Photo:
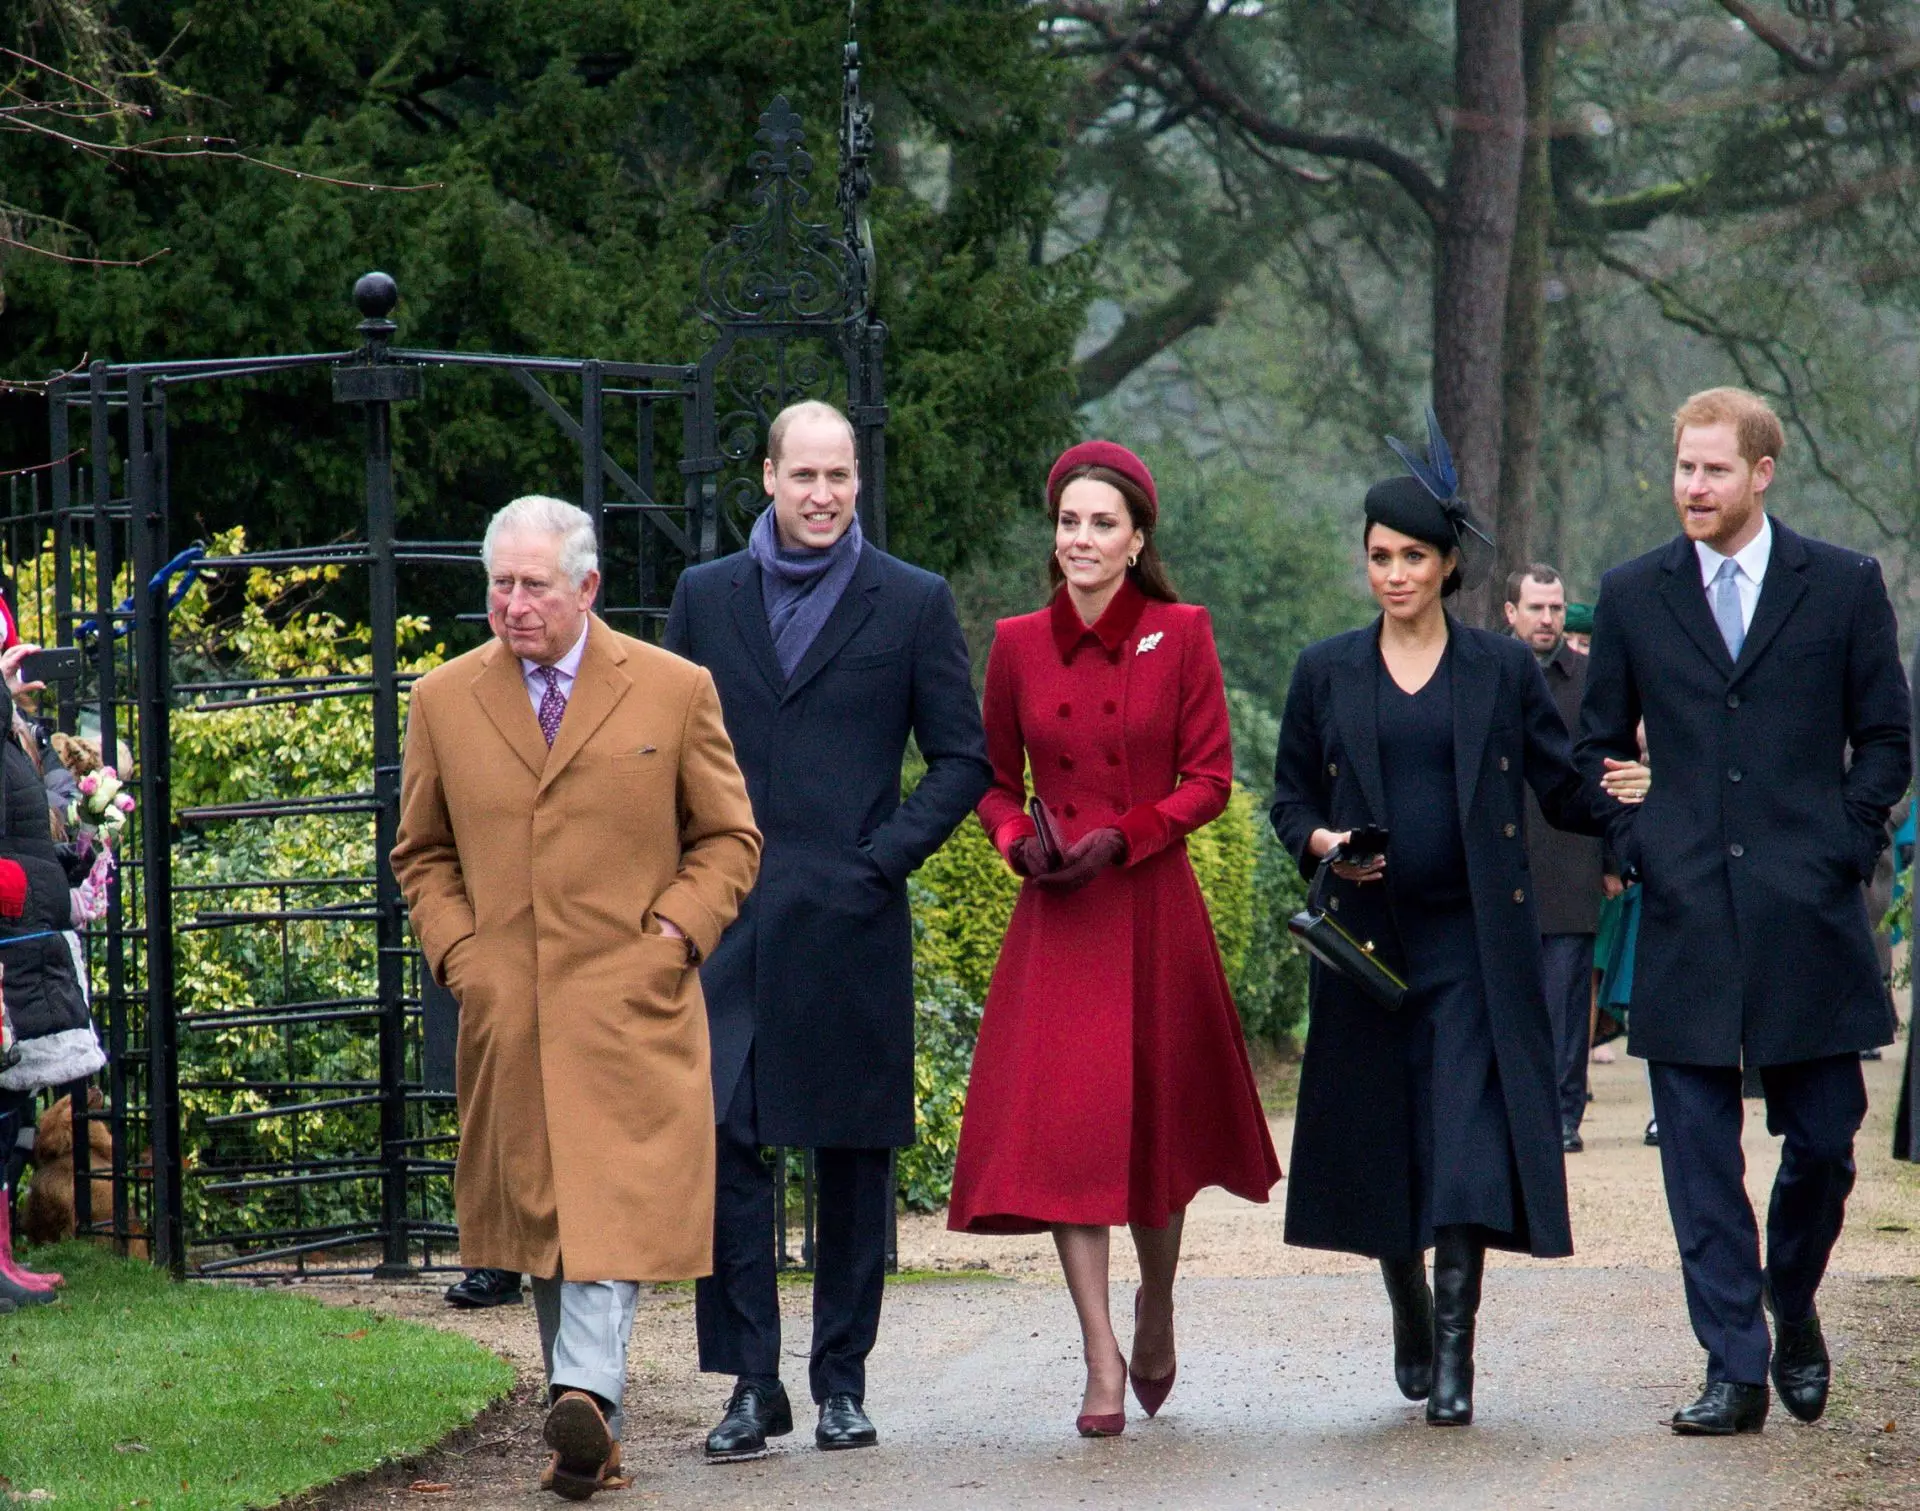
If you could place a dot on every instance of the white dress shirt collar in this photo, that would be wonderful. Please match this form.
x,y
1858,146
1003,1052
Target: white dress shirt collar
x,y
1752,559
568,666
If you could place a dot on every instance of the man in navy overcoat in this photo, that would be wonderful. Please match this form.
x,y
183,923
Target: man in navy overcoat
x,y
828,654
1766,668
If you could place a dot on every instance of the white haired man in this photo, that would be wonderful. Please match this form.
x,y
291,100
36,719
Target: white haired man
x,y
574,837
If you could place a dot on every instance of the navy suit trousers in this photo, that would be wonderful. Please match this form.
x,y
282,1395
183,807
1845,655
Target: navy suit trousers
x,y
1815,1107
1566,962
737,1307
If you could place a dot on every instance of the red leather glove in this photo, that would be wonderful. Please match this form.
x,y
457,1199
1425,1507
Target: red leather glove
x,y
1086,858
13,889
1028,856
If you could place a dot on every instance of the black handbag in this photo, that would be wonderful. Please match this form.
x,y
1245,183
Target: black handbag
x,y
1047,832
1322,937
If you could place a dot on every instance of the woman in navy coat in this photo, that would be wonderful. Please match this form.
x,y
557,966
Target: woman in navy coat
x,y
1435,1125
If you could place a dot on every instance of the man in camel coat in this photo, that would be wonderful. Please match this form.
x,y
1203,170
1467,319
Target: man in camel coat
x,y
574,838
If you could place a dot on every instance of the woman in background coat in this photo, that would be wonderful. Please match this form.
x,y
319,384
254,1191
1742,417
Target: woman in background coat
x,y
1436,1125
1110,1083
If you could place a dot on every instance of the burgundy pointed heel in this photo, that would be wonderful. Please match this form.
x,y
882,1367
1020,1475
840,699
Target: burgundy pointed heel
x,y
1103,1424
1151,1394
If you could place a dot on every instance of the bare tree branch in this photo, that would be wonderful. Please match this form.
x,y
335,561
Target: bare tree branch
x,y
1771,374
1181,72
1143,335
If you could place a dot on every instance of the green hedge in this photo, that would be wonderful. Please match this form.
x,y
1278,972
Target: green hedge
x,y
962,899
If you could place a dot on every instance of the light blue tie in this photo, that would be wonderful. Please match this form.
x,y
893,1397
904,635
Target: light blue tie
x,y
1726,606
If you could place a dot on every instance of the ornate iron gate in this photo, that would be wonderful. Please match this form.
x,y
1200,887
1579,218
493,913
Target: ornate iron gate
x,y
331,1153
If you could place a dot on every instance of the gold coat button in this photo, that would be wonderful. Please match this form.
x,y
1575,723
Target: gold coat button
x,y
1519,895
1333,769
1509,831
1334,904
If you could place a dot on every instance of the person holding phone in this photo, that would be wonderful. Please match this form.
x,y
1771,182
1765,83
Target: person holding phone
x,y
1437,1124
1110,1082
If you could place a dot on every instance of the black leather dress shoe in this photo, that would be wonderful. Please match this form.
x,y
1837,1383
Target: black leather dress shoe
x,y
844,1425
1723,1409
1801,1369
1571,1142
754,1414
485,1288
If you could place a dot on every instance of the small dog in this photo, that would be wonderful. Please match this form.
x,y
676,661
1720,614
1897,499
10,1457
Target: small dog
x,y
46,1211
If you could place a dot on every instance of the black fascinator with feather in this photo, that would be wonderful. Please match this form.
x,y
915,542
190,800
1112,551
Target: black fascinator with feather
x,y
1427,505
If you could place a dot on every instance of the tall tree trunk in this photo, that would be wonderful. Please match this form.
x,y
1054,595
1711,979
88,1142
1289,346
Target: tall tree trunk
x,y
1524,380
1476,245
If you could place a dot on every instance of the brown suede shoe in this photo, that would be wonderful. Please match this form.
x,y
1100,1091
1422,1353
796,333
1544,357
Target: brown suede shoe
x,y
585,1455
610,1477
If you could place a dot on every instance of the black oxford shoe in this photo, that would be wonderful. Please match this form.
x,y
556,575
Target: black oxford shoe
x,y
1571,1142
1801,1369
1723,1409
754,1414
485,1288
843,1425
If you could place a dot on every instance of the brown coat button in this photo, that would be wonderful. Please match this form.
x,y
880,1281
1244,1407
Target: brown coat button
x,y
1509,831
1519,895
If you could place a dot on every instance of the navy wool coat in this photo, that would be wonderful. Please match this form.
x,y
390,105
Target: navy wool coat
x,y
815,978
1758,835
1351,1179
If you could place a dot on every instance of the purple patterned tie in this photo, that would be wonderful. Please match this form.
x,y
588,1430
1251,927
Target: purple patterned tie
x,y
553,703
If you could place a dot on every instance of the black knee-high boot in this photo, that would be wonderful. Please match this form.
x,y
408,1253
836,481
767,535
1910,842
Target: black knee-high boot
x,y
1412,1324
1459,1257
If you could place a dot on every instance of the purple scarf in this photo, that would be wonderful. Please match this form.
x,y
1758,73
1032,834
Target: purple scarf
x,y
800,588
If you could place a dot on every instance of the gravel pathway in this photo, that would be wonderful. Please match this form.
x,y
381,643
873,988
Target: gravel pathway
x,y
1285,1396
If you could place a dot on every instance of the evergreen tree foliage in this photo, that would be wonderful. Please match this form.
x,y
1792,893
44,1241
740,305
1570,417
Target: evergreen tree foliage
x,y
585,155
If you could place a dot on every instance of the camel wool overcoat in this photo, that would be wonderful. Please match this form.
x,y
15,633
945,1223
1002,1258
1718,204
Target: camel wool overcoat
x,y
537,879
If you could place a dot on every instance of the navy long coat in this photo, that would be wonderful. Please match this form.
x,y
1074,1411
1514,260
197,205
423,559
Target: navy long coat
x,y
1757,837
816,975
1350,1182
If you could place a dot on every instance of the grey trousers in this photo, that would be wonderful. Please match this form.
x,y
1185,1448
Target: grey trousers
x,y
584,1327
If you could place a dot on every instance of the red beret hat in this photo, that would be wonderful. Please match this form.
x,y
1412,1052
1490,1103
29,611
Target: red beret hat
x,y
1115,458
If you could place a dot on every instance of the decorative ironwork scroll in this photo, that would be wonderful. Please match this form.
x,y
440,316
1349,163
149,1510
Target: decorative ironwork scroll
x,y
780,267
789,304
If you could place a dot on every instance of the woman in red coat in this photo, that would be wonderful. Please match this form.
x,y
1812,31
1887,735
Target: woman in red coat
x,y
1110,1083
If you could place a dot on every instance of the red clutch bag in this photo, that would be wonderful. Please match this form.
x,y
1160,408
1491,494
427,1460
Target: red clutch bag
x,y
1048,833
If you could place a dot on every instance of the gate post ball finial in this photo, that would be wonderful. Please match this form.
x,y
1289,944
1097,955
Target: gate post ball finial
x,y
375,295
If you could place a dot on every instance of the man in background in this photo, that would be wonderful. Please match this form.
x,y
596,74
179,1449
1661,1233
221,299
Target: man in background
x,y
1568,869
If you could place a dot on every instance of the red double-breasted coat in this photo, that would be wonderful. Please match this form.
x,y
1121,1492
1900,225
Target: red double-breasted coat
x,y
1110,1082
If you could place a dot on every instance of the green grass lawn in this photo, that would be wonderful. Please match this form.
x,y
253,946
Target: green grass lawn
x,y
133,1391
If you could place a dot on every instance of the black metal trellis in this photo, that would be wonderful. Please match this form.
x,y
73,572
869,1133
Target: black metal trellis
x,y
312,1170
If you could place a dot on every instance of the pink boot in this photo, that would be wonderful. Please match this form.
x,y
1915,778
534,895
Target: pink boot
x,y
27,1280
